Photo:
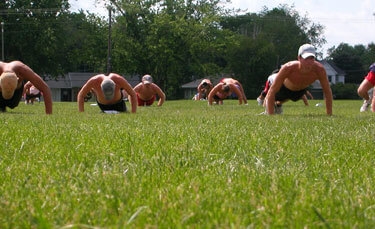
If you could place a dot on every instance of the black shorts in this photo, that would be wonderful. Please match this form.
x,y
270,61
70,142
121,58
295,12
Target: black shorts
x,y
217,98
285,94
12,102
31,96
120,106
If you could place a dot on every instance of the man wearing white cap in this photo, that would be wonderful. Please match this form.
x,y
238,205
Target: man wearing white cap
x,y
146,92
294,78
12,79
108,92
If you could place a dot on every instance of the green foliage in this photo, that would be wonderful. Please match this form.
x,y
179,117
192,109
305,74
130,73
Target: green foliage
x,y
87,46
33,33
345,91
270,39
187,165
354,60
175,41
50,39
171,40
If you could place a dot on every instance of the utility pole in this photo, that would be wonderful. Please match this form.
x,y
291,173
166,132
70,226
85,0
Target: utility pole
x,y
109,66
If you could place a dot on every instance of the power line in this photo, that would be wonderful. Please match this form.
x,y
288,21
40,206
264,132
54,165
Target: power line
x,y
29,11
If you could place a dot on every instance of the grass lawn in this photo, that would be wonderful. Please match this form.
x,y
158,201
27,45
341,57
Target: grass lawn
x,y
188,165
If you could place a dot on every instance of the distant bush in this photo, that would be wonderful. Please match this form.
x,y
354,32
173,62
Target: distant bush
x,y
345,91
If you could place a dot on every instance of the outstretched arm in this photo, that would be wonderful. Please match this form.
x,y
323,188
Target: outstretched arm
x,y
213,93
133,99
309,94
237,92
28,74
327,94
129,90
160,94
275,87
26,87
199,89
242,92
82,93
305,101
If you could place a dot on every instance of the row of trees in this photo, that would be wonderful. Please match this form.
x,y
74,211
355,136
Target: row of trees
x,y
174,41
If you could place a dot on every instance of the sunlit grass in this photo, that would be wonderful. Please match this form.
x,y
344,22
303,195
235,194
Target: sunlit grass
x,y
187,165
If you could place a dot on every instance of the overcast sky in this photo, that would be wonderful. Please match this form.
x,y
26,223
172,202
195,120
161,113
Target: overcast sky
x,y
351,22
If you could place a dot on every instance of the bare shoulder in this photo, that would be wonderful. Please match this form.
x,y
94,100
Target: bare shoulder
x,y
16,66
220,84
155,86
138,86
95,81
288,69
319,65
290,65
115,76
319,68
17,63
99,77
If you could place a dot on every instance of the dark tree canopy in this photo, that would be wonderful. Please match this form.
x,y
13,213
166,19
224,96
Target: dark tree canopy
x,y
174,41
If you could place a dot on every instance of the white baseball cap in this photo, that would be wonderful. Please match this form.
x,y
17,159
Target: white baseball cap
x,y
306,50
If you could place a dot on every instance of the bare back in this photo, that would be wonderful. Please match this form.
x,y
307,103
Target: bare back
x,y
147,91
25,73
94,84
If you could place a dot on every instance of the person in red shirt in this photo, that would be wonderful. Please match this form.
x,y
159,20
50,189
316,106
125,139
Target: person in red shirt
x,y
363,90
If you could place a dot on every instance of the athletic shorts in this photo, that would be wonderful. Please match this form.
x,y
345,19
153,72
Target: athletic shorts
x,y
217,98
31,96
12,102
120,106
266,88
285,94
371,77
142,102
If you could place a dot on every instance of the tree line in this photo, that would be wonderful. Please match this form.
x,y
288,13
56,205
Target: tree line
x,y
174,41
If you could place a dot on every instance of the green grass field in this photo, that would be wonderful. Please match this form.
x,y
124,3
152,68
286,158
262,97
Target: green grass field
x,y
187,165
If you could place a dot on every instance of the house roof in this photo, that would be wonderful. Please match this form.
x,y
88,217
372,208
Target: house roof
x,y
58,83
331,68
192,84
78,79
71,80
